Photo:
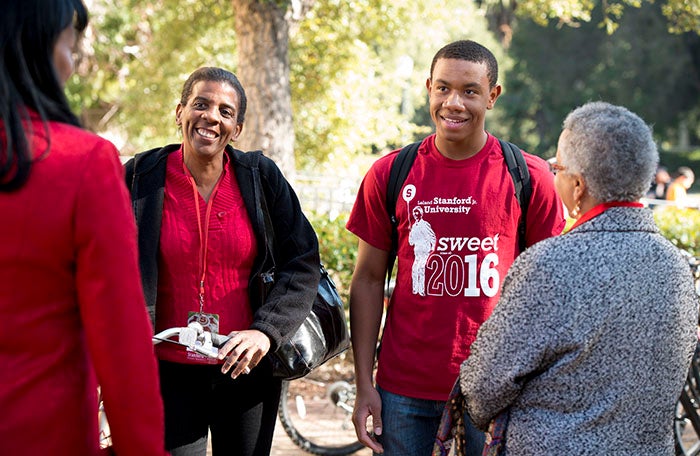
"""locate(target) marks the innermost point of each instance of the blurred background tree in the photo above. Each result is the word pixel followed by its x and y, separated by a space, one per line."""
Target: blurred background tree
pixel 330 80
pixel 135 57
pixel 333 83
pixel 641 66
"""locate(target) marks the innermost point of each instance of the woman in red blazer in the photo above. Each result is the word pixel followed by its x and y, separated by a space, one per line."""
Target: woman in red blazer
pixel 71 304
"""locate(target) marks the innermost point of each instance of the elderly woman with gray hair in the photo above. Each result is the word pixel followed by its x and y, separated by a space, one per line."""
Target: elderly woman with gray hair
pixel 589 346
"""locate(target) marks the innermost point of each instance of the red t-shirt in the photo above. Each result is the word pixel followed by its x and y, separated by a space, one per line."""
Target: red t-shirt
pixel 457 228
pixel 231 250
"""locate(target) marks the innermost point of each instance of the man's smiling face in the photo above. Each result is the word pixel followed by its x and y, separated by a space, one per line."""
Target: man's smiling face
pixel 459 95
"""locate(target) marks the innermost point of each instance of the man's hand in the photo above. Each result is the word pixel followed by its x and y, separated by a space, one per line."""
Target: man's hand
pixel 368 403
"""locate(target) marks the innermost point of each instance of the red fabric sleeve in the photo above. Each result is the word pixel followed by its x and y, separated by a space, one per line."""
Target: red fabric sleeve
pixel 369 219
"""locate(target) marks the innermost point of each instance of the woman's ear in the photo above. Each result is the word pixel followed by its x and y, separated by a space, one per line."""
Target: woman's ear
pixel 236 132
pixel 579 186
pixel 178 112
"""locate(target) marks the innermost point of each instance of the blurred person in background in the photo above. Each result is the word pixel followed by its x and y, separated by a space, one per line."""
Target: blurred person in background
pixel 70 296
pixel 660 184
pixel 588 348
pixel 678 189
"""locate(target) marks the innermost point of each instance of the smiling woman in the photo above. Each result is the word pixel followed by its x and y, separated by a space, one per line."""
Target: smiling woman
pixel 209 121
pixel 199 223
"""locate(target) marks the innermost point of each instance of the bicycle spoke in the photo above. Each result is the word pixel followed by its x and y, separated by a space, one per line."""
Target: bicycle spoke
pixel 316 412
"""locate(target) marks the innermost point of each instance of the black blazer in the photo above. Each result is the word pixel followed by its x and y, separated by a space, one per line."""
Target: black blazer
pixel 296 258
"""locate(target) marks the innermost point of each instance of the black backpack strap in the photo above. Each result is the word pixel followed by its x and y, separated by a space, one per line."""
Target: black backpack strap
pixel 402 165
pixel 523 186
pixel 397 176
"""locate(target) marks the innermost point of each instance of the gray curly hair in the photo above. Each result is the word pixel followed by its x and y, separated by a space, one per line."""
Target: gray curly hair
pixel 612 148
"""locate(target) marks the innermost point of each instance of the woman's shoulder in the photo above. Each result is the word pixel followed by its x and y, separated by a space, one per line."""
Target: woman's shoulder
pixel 72 140
pixel 546 249
pixel 70 151
pixel 548 257
pixel 255 159
pixel 146 160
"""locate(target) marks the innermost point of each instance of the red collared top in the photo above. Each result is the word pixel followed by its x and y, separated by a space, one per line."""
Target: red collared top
pixel 225 266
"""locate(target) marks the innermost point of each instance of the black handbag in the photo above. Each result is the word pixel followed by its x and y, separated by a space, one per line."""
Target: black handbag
pixel 323 334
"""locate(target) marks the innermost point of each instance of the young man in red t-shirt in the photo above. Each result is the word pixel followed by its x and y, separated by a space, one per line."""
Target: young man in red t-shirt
pixel 457 235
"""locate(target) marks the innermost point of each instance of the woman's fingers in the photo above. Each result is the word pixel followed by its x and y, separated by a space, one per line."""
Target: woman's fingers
pixel 243 351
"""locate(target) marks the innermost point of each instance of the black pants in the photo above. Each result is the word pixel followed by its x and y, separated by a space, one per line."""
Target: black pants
pixel 240 413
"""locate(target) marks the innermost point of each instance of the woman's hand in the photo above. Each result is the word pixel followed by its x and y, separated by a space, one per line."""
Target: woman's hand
pixel 243 351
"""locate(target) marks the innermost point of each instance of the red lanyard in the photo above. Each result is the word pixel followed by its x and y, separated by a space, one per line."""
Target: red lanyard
pixel 599 209
pixel 203 233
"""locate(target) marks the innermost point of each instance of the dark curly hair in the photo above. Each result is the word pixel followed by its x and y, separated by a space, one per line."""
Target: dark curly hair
pixel 471 51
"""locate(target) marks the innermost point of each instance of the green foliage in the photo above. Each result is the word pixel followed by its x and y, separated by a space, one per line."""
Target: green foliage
pixel 681 227
pixel 139 54
pixel 363 95
pixel 335 87
pixel 352 91
pixel 641 66
pixel 682 15
pixel 338 248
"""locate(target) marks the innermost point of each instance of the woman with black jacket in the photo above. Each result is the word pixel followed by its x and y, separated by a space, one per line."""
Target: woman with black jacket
pixel 201 236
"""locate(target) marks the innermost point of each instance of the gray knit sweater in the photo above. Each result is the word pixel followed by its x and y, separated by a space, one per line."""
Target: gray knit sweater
pixel 590 342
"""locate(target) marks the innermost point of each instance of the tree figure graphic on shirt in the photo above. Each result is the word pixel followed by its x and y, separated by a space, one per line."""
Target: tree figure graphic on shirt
pixel 422 237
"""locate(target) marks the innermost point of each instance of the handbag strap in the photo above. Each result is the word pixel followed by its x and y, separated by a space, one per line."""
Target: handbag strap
pixel 262 212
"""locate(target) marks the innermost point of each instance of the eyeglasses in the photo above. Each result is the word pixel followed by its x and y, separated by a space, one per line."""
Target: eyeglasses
pixel 555 167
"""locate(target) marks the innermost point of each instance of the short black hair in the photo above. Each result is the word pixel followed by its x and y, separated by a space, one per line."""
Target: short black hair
pixel 216 75
pixel 471 51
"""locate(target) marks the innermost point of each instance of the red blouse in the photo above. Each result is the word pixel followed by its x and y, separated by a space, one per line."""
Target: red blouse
pixel 231 250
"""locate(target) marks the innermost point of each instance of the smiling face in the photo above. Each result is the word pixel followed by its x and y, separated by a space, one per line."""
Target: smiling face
pixel 208 120
pixel 459 95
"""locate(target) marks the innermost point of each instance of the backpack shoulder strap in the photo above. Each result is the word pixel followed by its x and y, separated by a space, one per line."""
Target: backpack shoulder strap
pixel 397 176
pixel 523 186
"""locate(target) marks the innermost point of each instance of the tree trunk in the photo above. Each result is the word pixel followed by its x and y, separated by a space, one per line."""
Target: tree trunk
pixel 501 15
pixel 262 34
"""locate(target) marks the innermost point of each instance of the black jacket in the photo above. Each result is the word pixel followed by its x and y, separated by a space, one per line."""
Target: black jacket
pixel 296 258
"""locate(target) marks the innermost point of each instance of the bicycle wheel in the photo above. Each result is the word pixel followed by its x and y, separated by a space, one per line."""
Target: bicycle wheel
pixel 316 410
pixel 686 424
pixel 687 440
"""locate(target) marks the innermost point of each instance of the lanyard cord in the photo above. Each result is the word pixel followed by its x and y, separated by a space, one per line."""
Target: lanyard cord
pixel 203 233
pixel 599 209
